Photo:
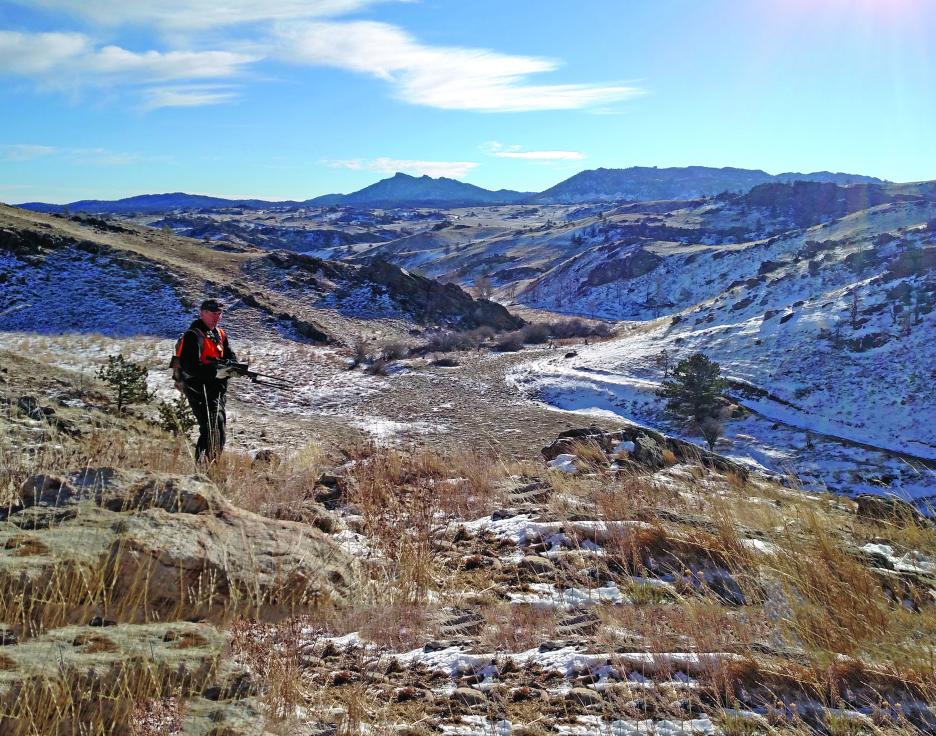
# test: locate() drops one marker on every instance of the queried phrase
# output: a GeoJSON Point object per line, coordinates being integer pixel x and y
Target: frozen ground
{"type": "Point", "coordinates": [620, 378]}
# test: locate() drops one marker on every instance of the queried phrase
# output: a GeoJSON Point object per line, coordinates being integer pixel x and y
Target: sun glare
{"type": "Point", "coordinates": [893, 10]}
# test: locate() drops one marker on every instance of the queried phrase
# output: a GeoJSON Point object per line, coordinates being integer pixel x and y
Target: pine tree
{"type": "Point", "coordinates": [128, 379]}
{"type": "Point", "coordinates": [694, 389]}
{"type": "Point", "coordinates": [176, 417]}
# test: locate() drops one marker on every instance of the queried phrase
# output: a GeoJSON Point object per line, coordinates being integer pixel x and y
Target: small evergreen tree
{"type": "Point", "coordinates": [693, 391]}
{"type": "Point", "coordinates": [127, 379]}
{"type": "Point", "coordinates": [176, 416]}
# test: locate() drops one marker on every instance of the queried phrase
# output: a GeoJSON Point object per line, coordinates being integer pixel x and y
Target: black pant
{"type": "Point", "coordinates": [207, 402]}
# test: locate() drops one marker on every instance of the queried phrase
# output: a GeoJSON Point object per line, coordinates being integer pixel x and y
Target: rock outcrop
{"type": "Point", "coordinates": [77, 678]}
{"type": "Point", "coordinates": [130, 546]}
{"type": "Point", "coordinates": [647, 448]}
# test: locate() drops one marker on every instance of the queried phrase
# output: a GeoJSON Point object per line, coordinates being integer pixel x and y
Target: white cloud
{"type": "Point", "coordinates": [198, 14]}
{"type": "Point", "coordinates": [452, 78]}
{"type": "Point", "coordinates": [24, 151]}
{"type": "Point", "coordinates": [192, 95]}
{"type": "Point", "coordinates": [39, 53]}
{"type": "Point", "coordinates": [501, 151]}
{"type": "Point", "coordinates": [168, 65]}
{"type": "Point", "coordinates": [60, 59]}
{"type": "Point", "coordinates": [384, 165]}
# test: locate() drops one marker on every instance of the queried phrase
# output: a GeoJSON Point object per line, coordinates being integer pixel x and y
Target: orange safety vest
{"type": "Point", "coordinates": [209, 350]}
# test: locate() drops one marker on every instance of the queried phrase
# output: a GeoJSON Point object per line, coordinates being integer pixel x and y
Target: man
{"type": "Point", "coordinates": [204, 382]}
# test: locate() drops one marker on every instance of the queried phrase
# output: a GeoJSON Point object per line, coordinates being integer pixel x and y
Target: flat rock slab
{"type": "Point", "coordinates": [86, 679]}
{"type": "Point", "coordinates": [131, 546]}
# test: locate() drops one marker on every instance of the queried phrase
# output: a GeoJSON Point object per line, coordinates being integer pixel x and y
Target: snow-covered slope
{"type": "Point", "coordinates": [832, 329]}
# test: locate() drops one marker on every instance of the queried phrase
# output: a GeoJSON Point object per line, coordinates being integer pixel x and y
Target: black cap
{"type": "Point", "coordinates": [211, 305]}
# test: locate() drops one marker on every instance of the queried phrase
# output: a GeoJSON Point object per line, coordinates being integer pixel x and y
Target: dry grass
{"type": "Point", "coordinates": [814, 593]}
{"type": "Point", "coordinates": [404, 499]}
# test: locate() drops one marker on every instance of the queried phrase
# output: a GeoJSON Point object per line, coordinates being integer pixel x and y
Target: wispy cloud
{"type": "Point", "coordinates": [452, 78]}
{"type": "Point", "coordinates": [192, 95]}
{"type": "Point", "coordinates": [68, 55]}
{"type": "Point", "coordinates": [209, 37]}
{"type": "Point", "coordinates": [24, 151]}
{"type": "Point", "coordinates": [189, 15]}
{"type": "Point", "coordinates": [384, 165]}
{"type": "Point", "coordinates": [494, 148]}
{"type": "Point", "coordinates": [83, 156]}
{"type": "Point", "coordinates": [72, 61]}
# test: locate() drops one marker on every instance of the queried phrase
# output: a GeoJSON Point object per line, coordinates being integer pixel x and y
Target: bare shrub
{"type": "Point", "coordinates": [536, 333]}
{"type": "Point", "coordinates": [510, 342]}
{"type": "Point", "coordinates": [359, 356]}
{"type": "Point", "coordinates": [394, 350]}
{"type": "Point", "coordinates": [453, 341]}
{"type": "Point", "coordinates": [576, 327]}
{"type": "Point", "coordinates": [378, 367]}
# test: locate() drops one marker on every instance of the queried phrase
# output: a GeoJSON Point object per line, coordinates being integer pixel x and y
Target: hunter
{"type": "Point", "coordinates": [204, 382]}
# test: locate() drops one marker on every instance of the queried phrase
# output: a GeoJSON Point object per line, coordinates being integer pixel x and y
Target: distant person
{"type": "Point", "coordinates": [204, 381]}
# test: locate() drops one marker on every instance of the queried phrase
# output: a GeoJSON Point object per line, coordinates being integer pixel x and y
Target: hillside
{"type": "Point", "coordinates": [826, 325]}
{"type": "Point", "coordinates": [150, 203]}
{"type": "Point", "coordinates": [611, 582]}
{"type": "Point", "coordinates": [87, 269]}
{"type": "Point", "coordinates": [403, 190]}
{"type": "Point", "coordinates": [424, 191]}
{"type": "Point", "coordinates": [640, 183]}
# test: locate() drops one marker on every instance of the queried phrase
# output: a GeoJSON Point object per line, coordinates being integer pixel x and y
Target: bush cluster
{"type": "Point", "coordinates": [539, 332]}
{"type": "Point", "coordinates": [452, 341]}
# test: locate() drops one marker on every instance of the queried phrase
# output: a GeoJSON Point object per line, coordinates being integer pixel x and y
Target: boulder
{"type": "Point", "coordinates": [131, 546]}
{"type": "Point", "coordinates": [648, 452]}
{"type": "Point", "coordinates": [469, 697]}
{"type": "Point", "coordinates": [536, 565]}
{"type": "Point", "coordinates": [584, 697]}
{"type": "Point", "coordinates": [648, 447]}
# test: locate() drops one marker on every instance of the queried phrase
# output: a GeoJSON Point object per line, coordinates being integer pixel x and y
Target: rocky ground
{"type": "Point", "coordinates": [606, 582]}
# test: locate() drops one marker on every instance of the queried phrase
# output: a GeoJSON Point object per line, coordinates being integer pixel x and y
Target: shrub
{"type": "Point", "coordinates": [711, 430]}
{"type": "Point", "coordinates": [510, 342]}
{"type": "Point", "coordinates": [127, 379]}
{"type": "Point", "coordinates": [394, 351]}
{"type": "Point", "coordinates": [536, 333]}
{"type": "Point", "coordinates": [176, 417]}
{"type": "Point", "coordinates": [448, 342]}
{"type": "Point", "coordinates": [378, 367]}
{"type": "Point", "coordinates": [360, 353]}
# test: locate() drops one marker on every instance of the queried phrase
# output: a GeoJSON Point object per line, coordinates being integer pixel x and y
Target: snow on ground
{"type": "Point", "coordinates": [621, 377]}
{"type": "Point", "coordinates": [836, 321]}
{"type": "Point", "coordinates": [72, 290]}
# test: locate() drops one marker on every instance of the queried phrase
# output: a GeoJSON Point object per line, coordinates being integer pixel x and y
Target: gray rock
{"type": "Point", "coordinates": [536, 565]}
{"type": "Point", "coordinates": [648, 452]}
{"type": "Point", "coordinates": [584, 696]}
{"type": "Point", "coordinates": [468, 696]}
{"type": "Point", "coordinates": [158, 547]}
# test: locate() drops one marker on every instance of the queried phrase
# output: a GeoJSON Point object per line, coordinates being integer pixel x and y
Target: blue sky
{"type": "Point", "coordinates": [295, 98]}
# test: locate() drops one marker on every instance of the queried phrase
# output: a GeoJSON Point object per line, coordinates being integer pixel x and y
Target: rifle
{"type": "Point", "coordinates": [261, 379]}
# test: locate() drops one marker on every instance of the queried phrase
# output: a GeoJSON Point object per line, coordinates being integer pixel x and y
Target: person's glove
{"type": "Point", "coordinates": [224, 371]}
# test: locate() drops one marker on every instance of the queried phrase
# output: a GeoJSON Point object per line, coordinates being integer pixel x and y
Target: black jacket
{"type": "Point", "coordinates": [195, 373]}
